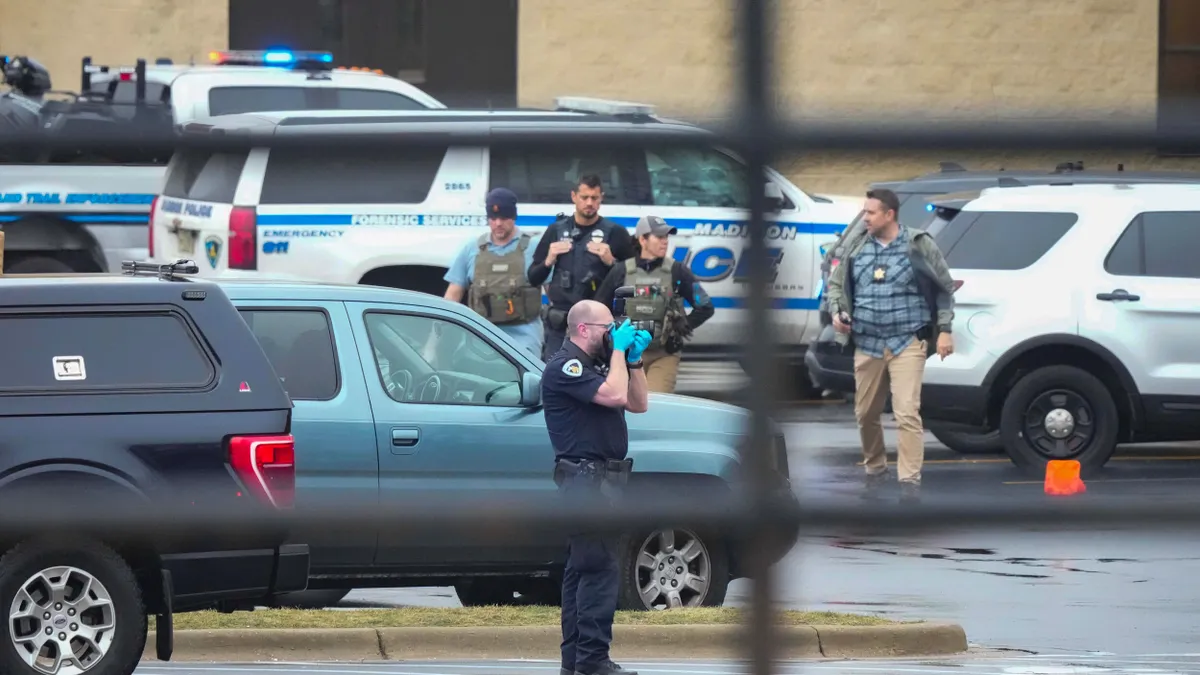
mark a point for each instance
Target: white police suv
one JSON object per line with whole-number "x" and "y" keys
{"x": 397, "y": 218}
{"x": 1076, "y": 320}
{"x": 86, "y": 212}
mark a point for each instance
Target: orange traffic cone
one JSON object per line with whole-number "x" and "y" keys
{"x": 1062, "y": 477}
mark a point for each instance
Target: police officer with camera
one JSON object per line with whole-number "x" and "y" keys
{"x": 575, "y": 254}
{"x": 587, "y": 386}
{"x": 659, "y": 288}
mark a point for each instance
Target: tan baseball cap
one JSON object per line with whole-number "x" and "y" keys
{"x": 653, "y": 225}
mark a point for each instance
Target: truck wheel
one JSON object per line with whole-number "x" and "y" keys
{"x": 969, "y": 443}
{"x": 71, "y": 608}
{"x": 673, "y": 568}
{"x": 1059, "y": 412}
{"x": 39, "y": 266}
{"x": 482, "y": 591}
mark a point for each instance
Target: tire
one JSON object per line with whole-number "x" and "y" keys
{"x": 712, "y": 565}
{"x": 486, "y": 591}
{"x": 27, "y": 565}
{"x": 39, "y": 266}
{"x": 311, "y": 599}
{"x": 1093, "y": 436}
{"x": 970, "y": 443}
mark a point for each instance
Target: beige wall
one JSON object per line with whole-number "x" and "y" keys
{"x": 59, "y": 33}
{"x": 996, "y": 59}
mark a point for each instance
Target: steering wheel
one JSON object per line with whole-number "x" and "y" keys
{"x": 399, "y": 383}
{"x": 432, "y": 382}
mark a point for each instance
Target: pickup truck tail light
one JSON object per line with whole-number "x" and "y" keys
{"x": 243, "y": 238}
{"x": 266, "y": 466}
{"x": 150, "y": 228}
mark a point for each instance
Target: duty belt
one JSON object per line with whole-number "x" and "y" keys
{"x": 614, "y": 470}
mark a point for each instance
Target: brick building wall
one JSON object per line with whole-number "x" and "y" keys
{"x": 59, "y": 33}
{"x": 996, "y": 59}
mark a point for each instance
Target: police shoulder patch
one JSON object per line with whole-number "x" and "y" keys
{"x": 573, "y": 368}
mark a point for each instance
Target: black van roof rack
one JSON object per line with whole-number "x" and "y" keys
{"x": 164, "y": 271}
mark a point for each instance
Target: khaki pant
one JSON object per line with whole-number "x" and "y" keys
{"x": 902, "y": 374}
{"x": 661, "y": 370}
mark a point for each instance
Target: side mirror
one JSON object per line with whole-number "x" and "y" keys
{"x": 531, "y": 390}
{"x": 775, "y": 199}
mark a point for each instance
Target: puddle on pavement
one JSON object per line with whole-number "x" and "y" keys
{"x": 977, "y": 555}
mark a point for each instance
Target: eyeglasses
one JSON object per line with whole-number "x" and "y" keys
{"x": 610, "y": 324}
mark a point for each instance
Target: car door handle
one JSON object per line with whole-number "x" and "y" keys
{"x": 1118, "y": 294}
{"x": 406, "y": 437}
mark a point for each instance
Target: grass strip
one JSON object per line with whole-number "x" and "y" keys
{"x": 405, "y": 617}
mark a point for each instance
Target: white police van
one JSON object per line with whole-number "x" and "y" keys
{"x": 397, "y": 218}
{"x": 86, "y": 212}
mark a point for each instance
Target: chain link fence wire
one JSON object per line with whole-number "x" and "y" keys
{"x": 752, "y": 514}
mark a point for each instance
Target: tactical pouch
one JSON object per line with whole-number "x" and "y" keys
{"x": 556, "y": 319}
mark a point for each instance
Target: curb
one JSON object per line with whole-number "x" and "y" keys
{"x": 541, "y": 642}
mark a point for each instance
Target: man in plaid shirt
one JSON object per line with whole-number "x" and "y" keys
{"x": 893, "y": 294}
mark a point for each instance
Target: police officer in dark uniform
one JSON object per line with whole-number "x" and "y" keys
{"x": 585, "y": 393}
{"x": 578, "y": 250}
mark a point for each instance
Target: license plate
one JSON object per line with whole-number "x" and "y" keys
{"x": 187, "y": 242}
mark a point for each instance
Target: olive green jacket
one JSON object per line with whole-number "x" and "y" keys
{"x": 933, "y": 278}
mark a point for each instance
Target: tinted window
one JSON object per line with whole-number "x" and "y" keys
{"x": 1003, "y": 240}
{"x": 914, "y": 212}
{"x": 682, "y": 176}
{"x": 423, "y": 359}
{"x": 373, "y": 176}
{"x": 547, "y": 177}
{"x": 126, "y": 92}
{"x": 205, "y": 176}
{"x": 86, "y": 352}
{"x": 300, "y": 346}
{"x": 1159, "y": 244}
{"x": 233, "y": 100}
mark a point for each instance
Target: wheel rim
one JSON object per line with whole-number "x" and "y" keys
{"x": 674, "y": 569}
{"x": 1059, "y": 424}
{"x": 62, "y": 621}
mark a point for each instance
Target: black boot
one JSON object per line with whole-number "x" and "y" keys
{"x": 873, "y": 485}
{"x": 910, "y": 493}
{"x": 605, "y": 668}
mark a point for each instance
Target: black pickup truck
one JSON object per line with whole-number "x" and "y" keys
{"x": 140, "y": 393}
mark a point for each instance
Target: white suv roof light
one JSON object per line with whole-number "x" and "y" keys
{"x": 602, "y": 106}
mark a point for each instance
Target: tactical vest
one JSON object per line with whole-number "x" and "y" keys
{"x": 500, "y": 292}
{"x": 577, "y": 273}
{"x": 648, "y": 305}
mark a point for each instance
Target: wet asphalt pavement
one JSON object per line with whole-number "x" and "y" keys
{"x": 1120, "y": 592}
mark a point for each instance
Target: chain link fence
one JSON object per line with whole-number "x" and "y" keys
{"x": 755, "y": 515}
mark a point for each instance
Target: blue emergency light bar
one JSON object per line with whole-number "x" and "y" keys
{"x": 279, "y": 58}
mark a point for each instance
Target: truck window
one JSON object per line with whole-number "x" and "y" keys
{"x": 204, "y": 176}
{"x": 681, "y": 176}
{"x": 422, "y": 359}
{"x": 370, "y": 176}
{"x": 241, "y": 99}
{"x": 1157, "y": 244}
{"x": 94, "y": 352}
{"x": 1001, "y": 240}
{"x": 548, "y": 177}
{"x": 299, "y": 344}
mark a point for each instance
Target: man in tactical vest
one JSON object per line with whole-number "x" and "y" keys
{"x": 660, "y": 285}
{"x": 493, "y": 265}
{"x": 574, "y": 255}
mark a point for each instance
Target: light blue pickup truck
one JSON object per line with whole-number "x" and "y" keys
{"x": 404, "y": 393}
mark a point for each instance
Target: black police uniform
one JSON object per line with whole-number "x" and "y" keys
{"x": 590, "y": 444}
{"x": 577, "y": 273}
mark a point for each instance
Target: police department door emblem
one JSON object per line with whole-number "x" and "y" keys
{"x": 573, "y": 368}
{"x": 212, "y": 249}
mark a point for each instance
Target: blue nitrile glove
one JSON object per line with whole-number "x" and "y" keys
{"x": 641, "y": 340}
{"x": 623, "y": 336}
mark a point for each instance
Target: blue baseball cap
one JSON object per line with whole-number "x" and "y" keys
{"x": 502, "y": 203}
